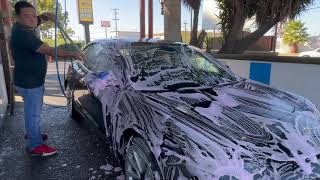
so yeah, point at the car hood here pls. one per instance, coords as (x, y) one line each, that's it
(244, 130)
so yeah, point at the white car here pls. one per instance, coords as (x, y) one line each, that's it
(314, 53)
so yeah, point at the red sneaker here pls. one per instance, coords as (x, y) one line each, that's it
(43, 150)
(44, 137)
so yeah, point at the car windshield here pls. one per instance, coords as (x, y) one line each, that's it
(170, 67)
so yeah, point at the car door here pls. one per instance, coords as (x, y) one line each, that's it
(110, 75)
(90, 105)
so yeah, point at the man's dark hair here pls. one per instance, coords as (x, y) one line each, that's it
(21, 4)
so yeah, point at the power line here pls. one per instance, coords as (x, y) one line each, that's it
(116, 19)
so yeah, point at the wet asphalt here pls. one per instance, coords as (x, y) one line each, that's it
(83, 152)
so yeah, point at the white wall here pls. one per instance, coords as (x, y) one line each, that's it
(241, 68)
(302, 79)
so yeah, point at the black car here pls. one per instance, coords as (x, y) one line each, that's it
(171, 111)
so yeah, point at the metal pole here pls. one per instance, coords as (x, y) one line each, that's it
(150, 3)
(87, 33)
(142, 20)
(106, 32)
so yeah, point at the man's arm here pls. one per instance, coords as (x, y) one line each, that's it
(47, 50)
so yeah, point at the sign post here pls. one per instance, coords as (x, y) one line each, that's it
(106, 25)
(85, 12)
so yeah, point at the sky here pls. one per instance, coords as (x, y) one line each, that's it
(311, 19)
(129, 17)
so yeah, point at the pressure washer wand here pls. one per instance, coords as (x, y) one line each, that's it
(65, 34)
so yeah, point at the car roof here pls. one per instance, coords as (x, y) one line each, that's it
(130, 42)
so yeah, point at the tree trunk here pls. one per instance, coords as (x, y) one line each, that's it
(194, 33)
(244, 43)
(235, 32)
(294, 48)
(201, 39)
(234, 44)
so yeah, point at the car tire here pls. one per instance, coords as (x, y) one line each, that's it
(73, 113)
(138, 152)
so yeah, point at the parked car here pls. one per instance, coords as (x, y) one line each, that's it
(314, 53)
(171, 111)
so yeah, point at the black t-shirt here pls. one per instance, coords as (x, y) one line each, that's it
(30, 67)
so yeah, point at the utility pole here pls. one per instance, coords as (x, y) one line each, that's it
(116, 19)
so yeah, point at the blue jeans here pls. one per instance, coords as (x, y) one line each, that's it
(33, 101)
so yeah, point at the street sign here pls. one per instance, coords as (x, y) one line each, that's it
(85, 11)
(105, 24)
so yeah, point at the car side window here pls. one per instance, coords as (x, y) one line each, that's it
(89, 51)
(104, 62)
(92, 52)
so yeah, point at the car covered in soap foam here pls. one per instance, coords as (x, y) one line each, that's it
(171, 111)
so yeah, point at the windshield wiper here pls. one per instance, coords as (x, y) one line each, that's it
(179, 85)
(229, 83)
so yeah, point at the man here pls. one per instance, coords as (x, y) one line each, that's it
(29, 52)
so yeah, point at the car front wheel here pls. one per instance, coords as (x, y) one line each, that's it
(70, 105)
(140, 162)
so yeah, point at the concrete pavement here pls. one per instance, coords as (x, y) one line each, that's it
(83, 151)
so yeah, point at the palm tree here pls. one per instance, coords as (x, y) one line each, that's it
(195, 6)
(267, 13)
(295, 34)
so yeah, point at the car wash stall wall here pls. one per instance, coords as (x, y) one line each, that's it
(298, 75)
(5, 58)
(3, 94)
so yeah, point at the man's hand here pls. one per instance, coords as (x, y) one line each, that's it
(47, 50)
(45, 17)
(78, 55)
